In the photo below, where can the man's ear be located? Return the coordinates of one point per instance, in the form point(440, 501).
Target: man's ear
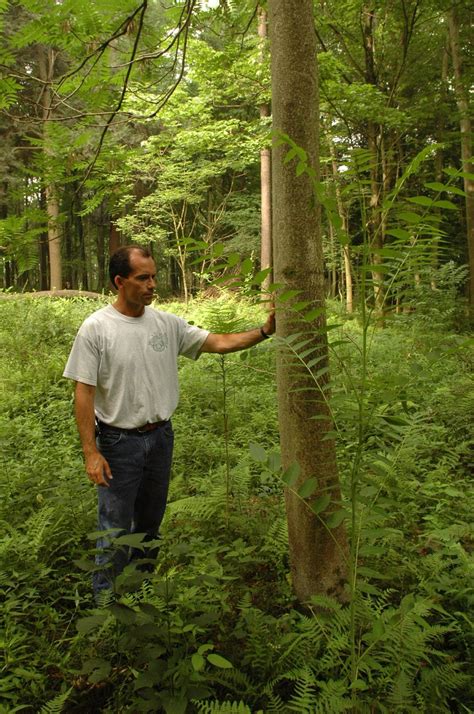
point(118, 282)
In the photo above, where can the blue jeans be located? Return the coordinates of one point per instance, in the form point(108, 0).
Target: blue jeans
point(135, 501)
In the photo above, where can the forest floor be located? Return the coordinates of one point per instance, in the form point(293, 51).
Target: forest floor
point(216, 628)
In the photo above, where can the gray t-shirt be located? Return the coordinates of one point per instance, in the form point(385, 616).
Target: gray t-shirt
point(132, 362)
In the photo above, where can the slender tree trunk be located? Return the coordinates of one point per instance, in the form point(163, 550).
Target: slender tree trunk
point(3, 215)
point(46, 62)
point(439, 156)
point(82, 275)
point(317, 554)
point(266, 252)
point(346, 250)
point(114, 236)
point(54, 238)
point(101, 242)
point(462, 100)
point(373, 130)
point(43, 249)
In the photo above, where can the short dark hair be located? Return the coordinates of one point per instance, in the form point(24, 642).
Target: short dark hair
point(119, 263)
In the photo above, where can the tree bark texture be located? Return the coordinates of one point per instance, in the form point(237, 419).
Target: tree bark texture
point(317, 555)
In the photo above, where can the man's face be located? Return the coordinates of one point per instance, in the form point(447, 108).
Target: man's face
point(137, 289)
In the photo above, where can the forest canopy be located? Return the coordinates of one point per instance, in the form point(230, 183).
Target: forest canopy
point(149, 122)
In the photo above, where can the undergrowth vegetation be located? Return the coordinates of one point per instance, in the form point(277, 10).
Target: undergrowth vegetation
point(215, 628)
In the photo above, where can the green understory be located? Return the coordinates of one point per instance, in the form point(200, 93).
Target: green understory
point(216, 629)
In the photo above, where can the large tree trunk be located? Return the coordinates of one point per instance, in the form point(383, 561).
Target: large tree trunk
point(317, 554)
point(462, 100)
point(266, 251)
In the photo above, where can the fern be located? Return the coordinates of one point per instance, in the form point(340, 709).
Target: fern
point(216, 707)
point(56, 705)
point(305, 697)
point(213, 504)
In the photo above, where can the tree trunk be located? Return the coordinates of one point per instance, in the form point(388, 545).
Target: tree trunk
point(317, 554)
point(54, 238)
point(43, 249)
point(46, 61)
point(346, 250)
point(462, 100)
point(374, 226)
point(266, 251)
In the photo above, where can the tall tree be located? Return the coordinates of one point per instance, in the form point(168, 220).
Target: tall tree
point(317, 553)
point(266, 250)
point(46, 69)
point(465, 121)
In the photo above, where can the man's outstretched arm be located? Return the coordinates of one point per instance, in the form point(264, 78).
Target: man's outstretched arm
point(97, 467)
point(235, 341)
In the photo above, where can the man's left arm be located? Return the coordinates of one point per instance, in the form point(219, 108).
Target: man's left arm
point(235, 341)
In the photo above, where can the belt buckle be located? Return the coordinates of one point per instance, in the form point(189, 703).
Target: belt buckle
point(142, 430)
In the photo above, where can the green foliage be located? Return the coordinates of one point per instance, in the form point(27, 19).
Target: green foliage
point(214, 627)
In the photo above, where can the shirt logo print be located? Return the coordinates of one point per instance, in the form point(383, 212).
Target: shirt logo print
point(159, 341)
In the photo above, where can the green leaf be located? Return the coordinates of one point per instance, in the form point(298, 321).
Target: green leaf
point(87, 565)
point(259, 277)
point(132, 540)
point(288, 294)
point(335, 519)
point(257, 452)
point(219, 661)
point(198, 662)
point(290, 155)
point(359, 685)
point(368, 588)
point(308, 487)
point(97, 668)
point(246, 266)
point(300, 168)
point(298, 306)
point(437, 186)
point(409, 217)
point(457, 191)
point(88, 624)
point(312, 314)
point(217, 250)
point(446, 204)
point(233, 259)
point(371, 573)
point(123, 614)
point(421, 200)
point(377, 268)
point(274, 461)
point(398, 233)
point(321, 503)
point(290, 476)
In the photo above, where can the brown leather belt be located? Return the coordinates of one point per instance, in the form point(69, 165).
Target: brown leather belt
point(137, 430)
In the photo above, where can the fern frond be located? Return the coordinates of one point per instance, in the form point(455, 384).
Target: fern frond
point(56, 705)
point(305, 697)
point(216, 707)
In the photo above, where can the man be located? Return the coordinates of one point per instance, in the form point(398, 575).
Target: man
point(124, 363)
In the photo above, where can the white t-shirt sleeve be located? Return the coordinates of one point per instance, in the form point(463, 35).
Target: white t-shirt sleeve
point(84, 359)
point(191, 339)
